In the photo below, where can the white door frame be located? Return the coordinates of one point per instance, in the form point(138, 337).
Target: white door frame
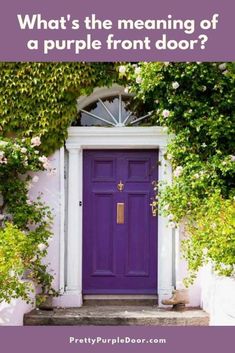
point(80, 138)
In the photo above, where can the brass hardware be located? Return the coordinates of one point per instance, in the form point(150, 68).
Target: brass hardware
point(120, 213)
point(120, 186)
point(154, 209)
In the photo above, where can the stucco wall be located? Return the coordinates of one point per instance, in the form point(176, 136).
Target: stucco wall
point(218, 297)
point(12, 314)
point(49, 186)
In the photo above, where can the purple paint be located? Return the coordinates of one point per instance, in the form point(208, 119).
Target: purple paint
point(119, 258)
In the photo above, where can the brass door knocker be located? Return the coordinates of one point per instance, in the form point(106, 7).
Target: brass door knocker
point(120, 186)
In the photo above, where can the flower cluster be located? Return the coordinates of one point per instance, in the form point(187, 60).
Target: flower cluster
point(3, 159)
point(25, 225)
point(195, 102)
point(24, 155)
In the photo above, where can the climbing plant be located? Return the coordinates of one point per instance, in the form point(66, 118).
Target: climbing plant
point(25, 224)
point(40, 98)
point(36, 99)
point(195, 102)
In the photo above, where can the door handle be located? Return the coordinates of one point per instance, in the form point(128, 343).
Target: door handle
point(120, 213)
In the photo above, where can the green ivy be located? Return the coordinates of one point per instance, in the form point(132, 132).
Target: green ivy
point(194, 101)
point(40, 98)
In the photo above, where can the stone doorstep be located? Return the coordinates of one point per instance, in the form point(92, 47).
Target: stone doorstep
point(116, 316)
point(120, 300)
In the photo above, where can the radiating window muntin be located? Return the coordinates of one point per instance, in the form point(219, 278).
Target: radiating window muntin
point(111, 111)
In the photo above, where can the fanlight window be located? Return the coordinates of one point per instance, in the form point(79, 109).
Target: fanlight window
point(112, 111)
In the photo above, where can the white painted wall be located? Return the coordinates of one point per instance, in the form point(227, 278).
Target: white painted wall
point(49, 186)
point(12, 314)
point(218, 297)
point(181, 273)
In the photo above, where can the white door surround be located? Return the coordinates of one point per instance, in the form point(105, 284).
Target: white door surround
point(80, 138)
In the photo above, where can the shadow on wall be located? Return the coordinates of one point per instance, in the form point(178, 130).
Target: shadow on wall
point(12, 314)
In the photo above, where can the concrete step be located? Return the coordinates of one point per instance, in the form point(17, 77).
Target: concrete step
point(120, 300)
point(116, 315)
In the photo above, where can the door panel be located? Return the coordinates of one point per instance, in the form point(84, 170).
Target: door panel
point(119, 256)
point(103, 241)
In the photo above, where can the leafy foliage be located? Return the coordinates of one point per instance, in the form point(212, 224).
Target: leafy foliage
point(24, 224)
point(196, 103)
point(211, 237)
point(40, 98)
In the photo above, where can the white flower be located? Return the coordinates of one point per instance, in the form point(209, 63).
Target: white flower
point(138, 79)
point(204, 145)
point(166, 63)
point(43, 159)
point(232, 158)
point(23, 150)
point(196, 176)
point(3, 143)
point(3, 160)
point(156, 101)
point(42, 247)
point(178, 171)
point(126, 89)
point(35, 141)
point(166, 207)
point(169, 157)
point(175, 85)
point(122, 69)
point(165, 113)
point(198, 62)
point(204, 88)
point(225, 72)
point(35, 179)
point(11, 273)
point(222, 67)
point(2, 154)
point(137, 70)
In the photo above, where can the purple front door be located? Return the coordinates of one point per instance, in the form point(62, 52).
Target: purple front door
point(119, 232)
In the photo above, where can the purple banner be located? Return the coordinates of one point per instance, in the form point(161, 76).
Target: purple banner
point(104, 30)
point(117, 339)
